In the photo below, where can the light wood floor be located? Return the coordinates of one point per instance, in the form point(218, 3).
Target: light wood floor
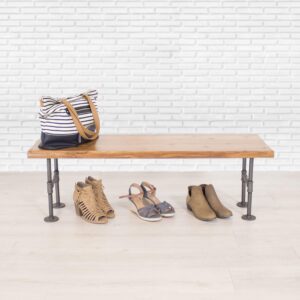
point(179, 258)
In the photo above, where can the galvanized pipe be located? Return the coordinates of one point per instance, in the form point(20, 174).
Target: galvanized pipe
point(57, 204)
point(244, 180)
point(51, 217)
point(248, 216)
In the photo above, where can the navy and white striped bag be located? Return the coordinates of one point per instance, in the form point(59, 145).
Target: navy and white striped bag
point(68, 122)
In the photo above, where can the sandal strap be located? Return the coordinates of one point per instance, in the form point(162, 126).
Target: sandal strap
point(130, 195)
point(148, 211)
point(165, 207)
point(151, 187)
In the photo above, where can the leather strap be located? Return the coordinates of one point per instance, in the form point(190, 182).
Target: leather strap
point(150, 186)
point(130, 195)
point(82, 130)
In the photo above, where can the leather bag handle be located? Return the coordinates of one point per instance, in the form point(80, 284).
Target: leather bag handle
point(82, 130)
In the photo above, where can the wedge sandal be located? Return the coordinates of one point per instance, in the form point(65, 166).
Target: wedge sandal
point(144, 210)
point(165, 209)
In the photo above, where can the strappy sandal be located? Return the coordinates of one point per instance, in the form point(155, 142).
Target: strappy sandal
point(165, 209)
point(147, 212)
point(86, 206)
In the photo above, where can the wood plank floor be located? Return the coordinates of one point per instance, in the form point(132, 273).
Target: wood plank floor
point(131, 259)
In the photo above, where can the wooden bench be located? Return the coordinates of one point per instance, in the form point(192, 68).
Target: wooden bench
point(244, 146)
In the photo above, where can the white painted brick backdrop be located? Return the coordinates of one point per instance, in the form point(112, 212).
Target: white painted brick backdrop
point(160, 66)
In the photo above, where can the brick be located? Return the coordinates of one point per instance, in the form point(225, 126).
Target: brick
point(160, 67)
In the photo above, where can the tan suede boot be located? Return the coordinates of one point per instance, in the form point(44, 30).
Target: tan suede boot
point(100, 196)
point(197, 203)
point(215, 203)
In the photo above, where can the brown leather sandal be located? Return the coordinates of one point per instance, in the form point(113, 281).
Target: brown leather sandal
point(145, 211)
point(86, 206)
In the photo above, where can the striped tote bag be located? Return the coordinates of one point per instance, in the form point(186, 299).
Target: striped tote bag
point(69, 122)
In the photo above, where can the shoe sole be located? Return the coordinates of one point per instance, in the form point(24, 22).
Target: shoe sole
point(224, 217)
point(168, 215)
point(146, 219)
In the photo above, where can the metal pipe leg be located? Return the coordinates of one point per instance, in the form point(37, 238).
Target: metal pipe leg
point(57, 204)
point(248, 216)
point(244, 179)
point(51, 217)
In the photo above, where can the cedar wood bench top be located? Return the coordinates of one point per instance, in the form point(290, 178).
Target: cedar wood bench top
point(164, 146)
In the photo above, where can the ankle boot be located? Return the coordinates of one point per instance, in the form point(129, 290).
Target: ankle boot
point(197, 203)
point(215, 203)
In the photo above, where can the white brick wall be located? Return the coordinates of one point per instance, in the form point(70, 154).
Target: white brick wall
point(160, 66)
